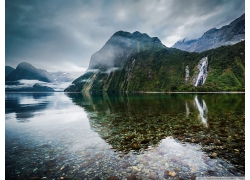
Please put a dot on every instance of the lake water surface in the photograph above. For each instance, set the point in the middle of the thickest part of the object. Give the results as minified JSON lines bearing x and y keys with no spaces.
{"x":120,"y":136}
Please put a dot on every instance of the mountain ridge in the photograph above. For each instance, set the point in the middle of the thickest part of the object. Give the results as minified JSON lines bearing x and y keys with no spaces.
{"x":227,"y":35}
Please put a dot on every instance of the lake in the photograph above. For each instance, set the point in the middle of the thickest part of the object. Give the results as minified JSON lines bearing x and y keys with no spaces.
{"x":119,"y":136}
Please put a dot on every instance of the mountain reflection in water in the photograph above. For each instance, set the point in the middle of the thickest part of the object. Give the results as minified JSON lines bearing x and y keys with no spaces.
{"x":26,"y":105}
{"x":100,"y":135}
{"x":138,"y":122}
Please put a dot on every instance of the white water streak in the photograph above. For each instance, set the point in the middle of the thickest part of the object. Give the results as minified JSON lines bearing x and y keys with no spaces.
{"x":202,"y":109}
{"x":203,"y":72}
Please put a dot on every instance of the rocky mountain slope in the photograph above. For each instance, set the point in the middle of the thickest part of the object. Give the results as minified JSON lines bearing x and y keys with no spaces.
{"x":213,"y":38}
{"x":137,"y":62}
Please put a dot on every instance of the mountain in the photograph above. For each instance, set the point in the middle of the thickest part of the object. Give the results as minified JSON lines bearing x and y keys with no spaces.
{"x":137,"y":62}
{"x":8,"y":70}
{"x":121,"y":45}
{"x":213,"y":38}
{"x":27,"y":71}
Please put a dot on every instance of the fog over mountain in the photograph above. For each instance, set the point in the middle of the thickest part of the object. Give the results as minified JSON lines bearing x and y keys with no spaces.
{"x":60,"y":35}
{"x":26,"y":77}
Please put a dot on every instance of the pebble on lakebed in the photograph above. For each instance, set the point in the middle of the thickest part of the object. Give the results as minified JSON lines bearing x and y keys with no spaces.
{"x":135,"y":146}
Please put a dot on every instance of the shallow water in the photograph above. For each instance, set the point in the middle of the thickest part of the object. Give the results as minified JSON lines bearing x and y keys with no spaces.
{"x":147,"y":136}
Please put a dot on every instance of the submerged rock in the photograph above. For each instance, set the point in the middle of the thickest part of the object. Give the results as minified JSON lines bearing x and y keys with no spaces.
{"x":129,"y":138}
{"x":172,"y":173}
{"x":132,"y":177}
{"x":125,"y":165}
{"x":145,"y":141}
{"x":193,"y":177}
{"x":135,"y":169}
{"x":166,"y":174}
{"x":210,"y":163}
{"x":211,"y":173}
{"x":84,"y":165}
{"x":214,"y":155}
{"x":153,"y":176}
{"x":135,"y":146}
{"x":112,"y":178}
{"x":96,"y":178}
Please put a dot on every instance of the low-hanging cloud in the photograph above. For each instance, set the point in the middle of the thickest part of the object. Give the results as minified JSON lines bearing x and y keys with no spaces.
{"x":24,"y":83}
{"x":62,"y":34}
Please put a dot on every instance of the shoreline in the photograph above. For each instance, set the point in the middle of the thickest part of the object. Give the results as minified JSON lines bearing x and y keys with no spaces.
{"x":135,"y":92}
{"x":217,"y":92}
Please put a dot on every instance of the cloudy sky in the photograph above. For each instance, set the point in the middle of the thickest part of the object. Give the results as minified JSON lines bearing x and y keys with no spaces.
{"x":61,"y":35}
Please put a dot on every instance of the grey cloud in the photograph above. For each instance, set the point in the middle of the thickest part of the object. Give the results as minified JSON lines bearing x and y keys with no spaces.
{"x":62,"y":34}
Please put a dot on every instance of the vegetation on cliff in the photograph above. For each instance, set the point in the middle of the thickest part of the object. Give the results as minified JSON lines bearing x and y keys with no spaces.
{"x":137,"y":62}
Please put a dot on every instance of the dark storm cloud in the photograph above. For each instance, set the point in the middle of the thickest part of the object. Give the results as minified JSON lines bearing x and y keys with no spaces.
{"x":62,"y":35}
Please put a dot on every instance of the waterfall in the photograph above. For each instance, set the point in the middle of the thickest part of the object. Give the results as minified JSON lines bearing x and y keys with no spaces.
{"x":202,"y":67}
{"x":187,"y":74}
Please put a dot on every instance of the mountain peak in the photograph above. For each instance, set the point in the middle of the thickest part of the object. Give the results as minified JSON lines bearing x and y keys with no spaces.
{"x":122,"y":44}
{"x":239,"y":19}
{"x":122,"y":33}
{"x":25,"y":65}
{"x":134,"y":35}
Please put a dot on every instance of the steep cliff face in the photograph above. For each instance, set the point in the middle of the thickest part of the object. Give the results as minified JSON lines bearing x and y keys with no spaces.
{"x":213,"y":38}
{"x":144,"y":64}
{"x":107,"y":64}
{"x":122,"y":44}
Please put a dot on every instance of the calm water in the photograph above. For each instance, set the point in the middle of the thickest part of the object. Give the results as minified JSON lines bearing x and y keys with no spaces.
{"x":147,"y":136}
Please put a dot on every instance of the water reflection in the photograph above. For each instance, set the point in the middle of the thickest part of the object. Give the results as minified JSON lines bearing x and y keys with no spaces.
{"x":25,"y":105}
{"x":129,"y":122}
{"x":201,"y":106}
{"x":152,"y":136}
{"x":137,"y":122}
{"x":187,"y":110}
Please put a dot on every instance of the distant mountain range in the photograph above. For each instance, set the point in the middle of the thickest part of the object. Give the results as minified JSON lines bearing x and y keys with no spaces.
{"x":213,"y":38}
{"x":27,"y":71}
{"x":28,"y":78}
